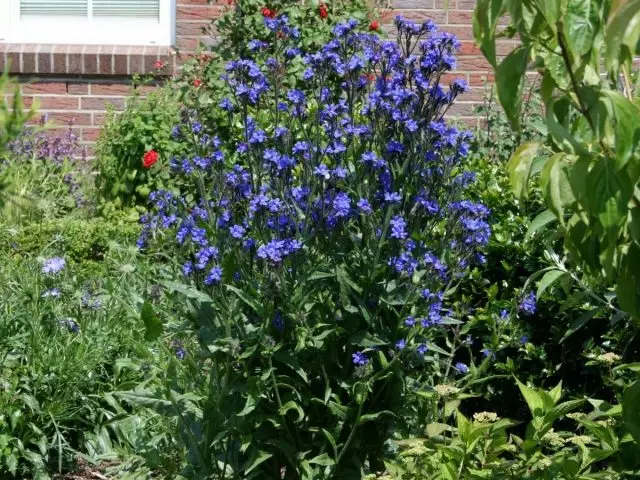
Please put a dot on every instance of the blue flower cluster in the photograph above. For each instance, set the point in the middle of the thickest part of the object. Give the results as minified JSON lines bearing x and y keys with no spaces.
{"x":359,"y":162}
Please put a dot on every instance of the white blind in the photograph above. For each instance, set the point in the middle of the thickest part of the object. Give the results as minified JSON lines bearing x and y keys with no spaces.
{"x":99,"y":8}
{"x":126,"y":8}
{"x":54,"y":7}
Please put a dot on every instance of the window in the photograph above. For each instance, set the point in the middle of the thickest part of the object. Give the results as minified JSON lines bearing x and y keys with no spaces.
{"x":88,"y":22}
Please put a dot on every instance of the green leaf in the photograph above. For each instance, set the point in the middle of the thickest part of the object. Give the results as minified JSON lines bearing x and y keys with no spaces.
{"x":631,"y":409}
{"x":152,"y":324}
{"x":535,"y":399}
{"x":580,"y":322}
{"x":540,"y":221}
{"x":323,"y":459}
{"x":291,"y":405}
{"x":622,"y":28}
{"x":510,"y":76}
{"x":578,"y":29}
{"x":256,"y":460}
{"x":370,"y":417}
{"x":549,"y":279}
{"x":519,"y":168}
{"x":626,"y":114}
{"x":555,"y":184}
{"x":485,"y":20}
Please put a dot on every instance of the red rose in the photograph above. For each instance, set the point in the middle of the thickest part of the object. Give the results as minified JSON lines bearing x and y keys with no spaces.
{"x":374,"y":26}
{"x":197,"y":82}
{"x":149,"y":158}
{"x":267,"y":12}
{"x":324,"y":13}
{"x":159,"y":64}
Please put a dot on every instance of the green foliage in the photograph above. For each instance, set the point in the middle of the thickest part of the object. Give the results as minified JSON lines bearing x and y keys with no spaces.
{"x":590,"y":182}
{"x":12,"y":113}
{"x":83,"y":242}
{"x":587,"y":445}
{"x":145,"y":125}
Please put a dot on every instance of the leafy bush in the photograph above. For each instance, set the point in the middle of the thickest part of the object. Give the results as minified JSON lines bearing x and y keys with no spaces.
{"x":326,"y":241}
{"x":590,"y":181}
{"x":83,"y":242}
{"x":134,"y":149}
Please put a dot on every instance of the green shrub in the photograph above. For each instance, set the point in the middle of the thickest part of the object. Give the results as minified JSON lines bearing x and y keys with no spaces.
{"x":83,"y":242}
{"x":144,"y":126}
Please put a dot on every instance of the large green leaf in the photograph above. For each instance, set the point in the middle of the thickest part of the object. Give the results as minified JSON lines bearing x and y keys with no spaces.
{"x":555,"y":185}
{"x":510,"y":82}
{"x":631,"y":409}
{"x":519,"y":168}
{"x":152,"y":324}
{"x":578,"y":27}
{"x":626,"y":115}
{"x":549,"y":279}
{"x":623,"y":29}
{"x":543,"y":219}
{"x":485,"y":20}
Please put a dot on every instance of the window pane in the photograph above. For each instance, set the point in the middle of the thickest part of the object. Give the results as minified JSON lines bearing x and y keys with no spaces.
{"x":126,"y":8}
{"x":53,"y":7}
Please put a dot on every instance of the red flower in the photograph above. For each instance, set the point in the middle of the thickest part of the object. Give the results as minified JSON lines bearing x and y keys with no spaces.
{"x":374,"y":26}
{"x":324,"y":12}
{"x":197,"y":82}
{"x":149,"y":159}
{"x":267,"y":12}
{"x":159,"y":64}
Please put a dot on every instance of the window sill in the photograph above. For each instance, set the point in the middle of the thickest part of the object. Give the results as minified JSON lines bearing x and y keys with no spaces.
{"x":102,"y":60}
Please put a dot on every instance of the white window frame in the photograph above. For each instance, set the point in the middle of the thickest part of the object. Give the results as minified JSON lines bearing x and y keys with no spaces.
{"x":62,"y":29}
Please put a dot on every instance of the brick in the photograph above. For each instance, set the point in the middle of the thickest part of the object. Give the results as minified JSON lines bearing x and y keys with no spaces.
{"x":121,"y":60}
{"x":473,"y":64}
{"x":136,"y":60}
{"x":462,"y":109}
{"x":203,"y":12}
{"x":74,"y":59}
{"x":100,"y":103}
{"x":90,"y":60}
{"x":45,"y":59}
{"x":466,"y":4}
{"x":28,"y":62}
{"x":110,"y":89}
{"x":191,"y":28}
{"x":59,"y":59}
{"x":459,"y":17}
{"x":98,"y":119}
{"x":56,"y":102}
{"x":90,"y":134}
{"x":52,"y":88}
{"x":479,"y":79}
{"x":462,"y":32}
{"x":105,"y":60}
{"x":63,"y":118}
{"x":77,"y":88}
{"x":187,"y":43}
{"x":438,"y":16}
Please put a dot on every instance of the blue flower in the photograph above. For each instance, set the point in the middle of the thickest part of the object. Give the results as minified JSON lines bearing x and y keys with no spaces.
{"x":278,"y":322}
{"x":364,"y":206}
{"x":398,"y":227}
{"x":461,"y":367}
{"x":360,"y":358}
{"x":214,"y":276}
{"x":528,"y":304}
{"x":401,"y":344}
{"x":53,"y":265}
{"x":237,"y":231}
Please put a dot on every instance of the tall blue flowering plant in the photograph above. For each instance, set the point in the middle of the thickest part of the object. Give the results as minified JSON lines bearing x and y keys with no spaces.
{"x":326,"y":237}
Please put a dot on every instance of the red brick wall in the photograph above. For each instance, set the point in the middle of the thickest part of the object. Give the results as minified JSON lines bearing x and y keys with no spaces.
{"x":64,"y":95}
